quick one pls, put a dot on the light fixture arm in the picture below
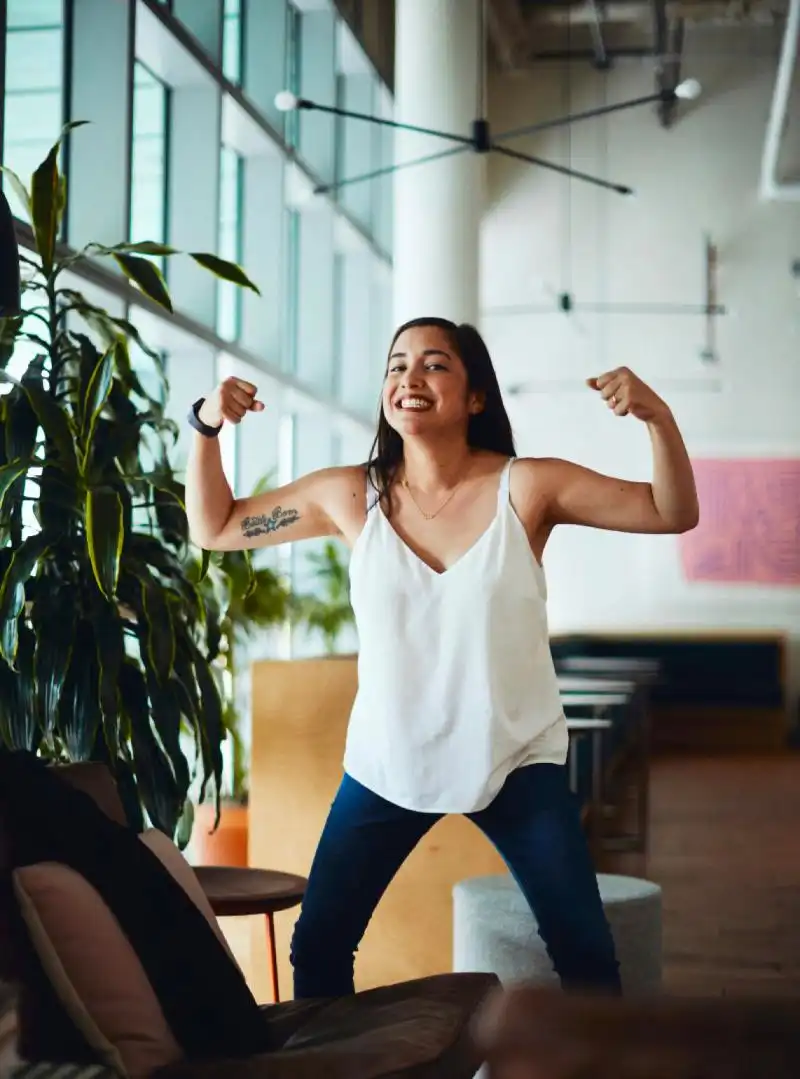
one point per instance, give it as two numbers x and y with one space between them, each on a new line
481 141
687 90
305 103
323 189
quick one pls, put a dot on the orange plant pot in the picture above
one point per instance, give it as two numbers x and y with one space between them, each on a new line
228 845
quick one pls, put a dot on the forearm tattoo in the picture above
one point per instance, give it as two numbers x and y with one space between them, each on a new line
263 525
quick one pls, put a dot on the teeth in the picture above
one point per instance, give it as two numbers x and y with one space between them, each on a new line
414 402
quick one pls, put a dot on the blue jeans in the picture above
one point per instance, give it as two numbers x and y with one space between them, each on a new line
534 822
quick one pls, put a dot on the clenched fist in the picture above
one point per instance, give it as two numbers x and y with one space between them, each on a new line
230 401
627 395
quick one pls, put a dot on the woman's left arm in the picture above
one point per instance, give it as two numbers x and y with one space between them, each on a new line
668 504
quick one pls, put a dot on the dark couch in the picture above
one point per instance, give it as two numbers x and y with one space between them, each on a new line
418 1029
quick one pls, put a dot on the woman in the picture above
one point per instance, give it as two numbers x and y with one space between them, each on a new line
458 708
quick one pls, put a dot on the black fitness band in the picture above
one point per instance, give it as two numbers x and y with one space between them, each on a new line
197 423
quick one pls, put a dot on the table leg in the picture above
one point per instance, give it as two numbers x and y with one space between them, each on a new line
272 948
573 761
597 790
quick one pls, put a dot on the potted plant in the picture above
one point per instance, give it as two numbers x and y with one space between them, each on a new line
328 609
240 599
106 651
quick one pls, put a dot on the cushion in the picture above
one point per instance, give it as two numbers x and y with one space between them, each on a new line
200 990
183 874
94 970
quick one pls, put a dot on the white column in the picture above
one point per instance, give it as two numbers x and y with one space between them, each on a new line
438 205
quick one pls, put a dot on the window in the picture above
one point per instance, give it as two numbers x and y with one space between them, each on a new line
232 40
149 158
229 297
34 103
292 310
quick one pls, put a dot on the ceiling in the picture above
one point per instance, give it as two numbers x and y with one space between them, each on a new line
523 33
527 32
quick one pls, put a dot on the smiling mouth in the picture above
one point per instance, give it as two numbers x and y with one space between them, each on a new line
413 404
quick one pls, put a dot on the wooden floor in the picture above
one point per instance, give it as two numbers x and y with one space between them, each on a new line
725 847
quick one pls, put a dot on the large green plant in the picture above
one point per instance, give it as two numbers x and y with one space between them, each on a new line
328 610
240 599
106 650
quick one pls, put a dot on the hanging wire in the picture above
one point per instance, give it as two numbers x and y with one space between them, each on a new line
566 93
483 49
602 262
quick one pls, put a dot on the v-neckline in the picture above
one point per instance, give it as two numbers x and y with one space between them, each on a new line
425 565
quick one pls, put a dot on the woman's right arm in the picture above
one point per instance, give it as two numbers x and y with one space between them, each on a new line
304 509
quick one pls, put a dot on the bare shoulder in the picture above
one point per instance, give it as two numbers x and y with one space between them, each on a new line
531 486
342 493
531 475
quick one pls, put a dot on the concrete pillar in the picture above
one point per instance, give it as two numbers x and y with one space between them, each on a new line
437 205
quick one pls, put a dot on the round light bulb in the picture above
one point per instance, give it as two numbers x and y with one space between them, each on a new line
286 101
688 90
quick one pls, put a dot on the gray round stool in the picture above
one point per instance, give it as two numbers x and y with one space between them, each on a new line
495 932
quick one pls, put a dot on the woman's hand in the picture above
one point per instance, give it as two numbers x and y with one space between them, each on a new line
230 401
627 395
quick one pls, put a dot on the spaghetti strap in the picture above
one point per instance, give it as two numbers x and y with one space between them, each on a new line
505 480
371 491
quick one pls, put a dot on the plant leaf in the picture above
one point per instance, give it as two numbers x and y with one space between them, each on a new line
104 536
185 827
44 207
95 399
227 271
53 615
165 712
158 642
58 505
154 778
48 198
110 656
147 276
205 562
249 588
79 708
9 331
9 474
20 190
12 591
213 730
52 418
141 247
18 726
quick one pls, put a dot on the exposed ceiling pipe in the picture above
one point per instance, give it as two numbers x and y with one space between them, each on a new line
771 190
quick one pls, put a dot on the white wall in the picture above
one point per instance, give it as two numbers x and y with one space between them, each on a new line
700 177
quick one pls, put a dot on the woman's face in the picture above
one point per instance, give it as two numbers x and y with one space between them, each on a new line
426 390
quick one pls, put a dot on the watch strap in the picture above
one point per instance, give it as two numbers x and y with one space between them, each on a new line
194 421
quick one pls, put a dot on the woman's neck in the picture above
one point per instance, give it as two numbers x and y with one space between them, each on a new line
431 466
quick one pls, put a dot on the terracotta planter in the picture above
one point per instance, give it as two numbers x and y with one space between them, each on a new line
228 845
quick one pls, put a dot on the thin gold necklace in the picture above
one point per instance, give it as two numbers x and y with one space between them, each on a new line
430 516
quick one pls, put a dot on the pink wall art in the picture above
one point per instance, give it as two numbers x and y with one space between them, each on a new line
749 531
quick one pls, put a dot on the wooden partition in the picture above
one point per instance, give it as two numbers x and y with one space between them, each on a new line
300 713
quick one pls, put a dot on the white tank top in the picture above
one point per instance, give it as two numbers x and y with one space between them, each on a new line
456 683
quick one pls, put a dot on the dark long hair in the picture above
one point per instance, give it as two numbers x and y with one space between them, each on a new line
489 429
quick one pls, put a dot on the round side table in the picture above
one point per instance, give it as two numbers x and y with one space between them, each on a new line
235 891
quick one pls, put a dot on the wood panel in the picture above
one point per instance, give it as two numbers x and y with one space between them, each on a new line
300 713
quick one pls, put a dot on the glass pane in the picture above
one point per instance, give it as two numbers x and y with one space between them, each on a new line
229 297
34 103
292 248
149 158
232 40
